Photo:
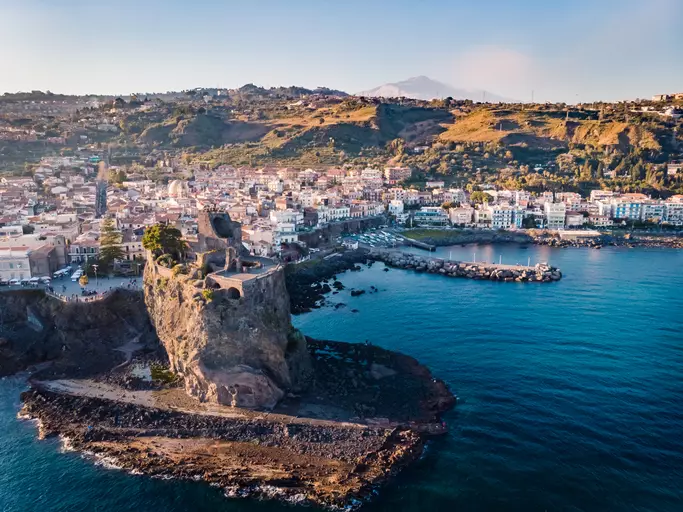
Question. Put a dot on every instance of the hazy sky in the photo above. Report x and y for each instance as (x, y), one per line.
(563, 50)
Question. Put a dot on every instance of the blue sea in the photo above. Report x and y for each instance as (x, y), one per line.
(570, 393)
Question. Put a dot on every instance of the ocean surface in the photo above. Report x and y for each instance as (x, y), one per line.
(570, 393)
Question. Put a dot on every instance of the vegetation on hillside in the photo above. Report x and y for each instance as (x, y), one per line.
(537, 147)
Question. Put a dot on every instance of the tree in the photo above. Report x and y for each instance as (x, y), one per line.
(163, 239)
(479, 197)
(83, 281)
(110, 243)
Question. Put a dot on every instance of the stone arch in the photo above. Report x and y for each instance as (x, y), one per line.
(222, 226)
(233, 293)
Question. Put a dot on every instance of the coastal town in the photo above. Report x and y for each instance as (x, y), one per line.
(52, 220)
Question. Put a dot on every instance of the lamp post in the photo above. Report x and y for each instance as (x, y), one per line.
(95, 267)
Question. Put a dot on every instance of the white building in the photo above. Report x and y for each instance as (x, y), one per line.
(288, 216)
(674, 211)
(482, 217)
(652, 212)
(396, 207)
(554, 215)
(455, 195)
(505, 217)
(575, 219)
(461, 216)
(396, 174)
(14, 263)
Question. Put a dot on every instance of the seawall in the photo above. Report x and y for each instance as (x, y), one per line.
(539, 273)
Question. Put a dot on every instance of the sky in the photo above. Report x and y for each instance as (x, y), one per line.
(576, 50)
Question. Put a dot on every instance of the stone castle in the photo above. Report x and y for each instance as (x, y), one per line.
(225, 322)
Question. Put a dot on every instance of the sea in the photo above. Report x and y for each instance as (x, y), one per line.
(570, 394)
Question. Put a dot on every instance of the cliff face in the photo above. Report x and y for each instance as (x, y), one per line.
(233, 347)
(81, 338)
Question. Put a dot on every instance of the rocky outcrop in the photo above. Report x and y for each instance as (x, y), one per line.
(232, 348)
(333, 465)
(304, 280)
(541, 273)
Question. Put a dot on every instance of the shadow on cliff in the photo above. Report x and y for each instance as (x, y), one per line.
(79, 339)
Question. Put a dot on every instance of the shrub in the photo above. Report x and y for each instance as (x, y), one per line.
(163, 374)
(179, 269)
(208, 295)
(166, 260)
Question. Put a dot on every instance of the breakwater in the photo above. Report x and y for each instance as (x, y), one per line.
(540, 273)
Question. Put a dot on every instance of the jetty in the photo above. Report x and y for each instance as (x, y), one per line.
(539, 273)
(418, 244)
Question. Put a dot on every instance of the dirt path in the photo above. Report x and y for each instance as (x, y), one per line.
(177, 400)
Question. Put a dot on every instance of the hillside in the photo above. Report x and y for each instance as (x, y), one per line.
(548, 129)
(347, 125)
(460, 141)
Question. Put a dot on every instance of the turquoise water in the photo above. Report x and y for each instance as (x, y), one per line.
(570, 393)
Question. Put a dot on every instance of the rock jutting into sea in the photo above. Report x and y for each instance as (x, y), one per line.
(540, 273)
(215, 384)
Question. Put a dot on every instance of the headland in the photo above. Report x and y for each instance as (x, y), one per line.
(211, 382)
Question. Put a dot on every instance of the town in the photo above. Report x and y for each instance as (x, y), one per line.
(54, 219)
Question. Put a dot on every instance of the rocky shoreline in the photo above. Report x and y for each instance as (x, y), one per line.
(550, 238)
(541, 273)
(364, 419)
(612, 241)
(335, 466)
(305, 281)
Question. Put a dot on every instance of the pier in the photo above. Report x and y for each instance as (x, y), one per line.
(417, 243)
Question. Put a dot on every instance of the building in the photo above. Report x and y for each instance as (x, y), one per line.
(430, 216)
(626, 210)
(435, 184)
(574, 219)
(84, 251)
(505, 217)
(396, 207)
(455, 195)
(15, 230)
(15, 263)
(461, 216)
(43, 261)
(132, 246)
(652, 212)
(395, 174)
(673, 213)
(600, 221)
(554, 215)
(482, 217)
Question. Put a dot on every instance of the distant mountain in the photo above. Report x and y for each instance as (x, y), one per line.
(424, 88)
